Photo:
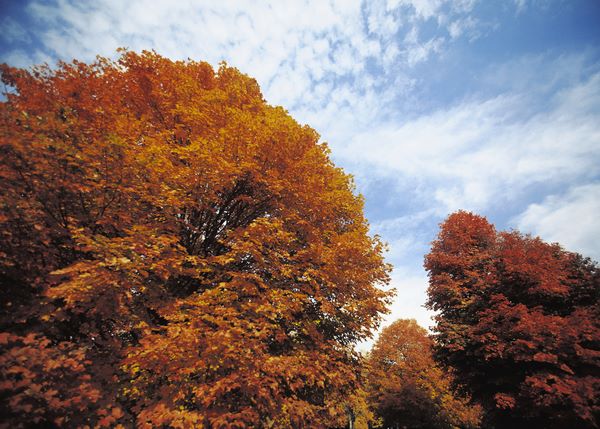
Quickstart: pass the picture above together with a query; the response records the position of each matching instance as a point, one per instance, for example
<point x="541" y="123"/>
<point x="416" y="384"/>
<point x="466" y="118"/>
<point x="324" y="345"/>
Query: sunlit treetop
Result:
<point x="193" y="241"/>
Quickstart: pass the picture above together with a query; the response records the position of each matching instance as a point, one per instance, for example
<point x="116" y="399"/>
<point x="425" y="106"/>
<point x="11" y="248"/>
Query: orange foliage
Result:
<point x="164" y="223"/>
<point x="408" y="388"/>
<point x="519" y="320"/>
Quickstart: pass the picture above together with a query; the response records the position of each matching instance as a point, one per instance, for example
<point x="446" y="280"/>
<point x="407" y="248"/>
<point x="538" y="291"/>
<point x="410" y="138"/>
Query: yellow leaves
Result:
<point x="198" y="238"/>
<point x="163" y="414"/>
<point x="118" y="261"/>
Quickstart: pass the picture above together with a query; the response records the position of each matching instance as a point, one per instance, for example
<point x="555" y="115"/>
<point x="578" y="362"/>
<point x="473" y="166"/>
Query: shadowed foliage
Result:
<point x="408" y="389"/>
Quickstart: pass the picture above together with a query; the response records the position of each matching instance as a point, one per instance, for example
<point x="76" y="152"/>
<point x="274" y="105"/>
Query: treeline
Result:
<point x="516" y="343"/>
<point x="176" y="253"/>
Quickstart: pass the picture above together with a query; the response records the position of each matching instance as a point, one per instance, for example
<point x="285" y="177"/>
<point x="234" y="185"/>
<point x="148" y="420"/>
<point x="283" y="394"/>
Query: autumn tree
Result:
<point x="519" y="321"/>
<point x="356" y="411"/>
<point x="408" y="389"/>
<point x="174" y="253"/>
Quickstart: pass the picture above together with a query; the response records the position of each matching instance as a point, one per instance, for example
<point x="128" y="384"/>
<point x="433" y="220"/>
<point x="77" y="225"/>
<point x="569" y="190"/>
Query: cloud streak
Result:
<point x="479" y="154"/>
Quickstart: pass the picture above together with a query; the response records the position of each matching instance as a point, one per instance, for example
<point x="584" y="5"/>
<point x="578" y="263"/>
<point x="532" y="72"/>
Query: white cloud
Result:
<point x="465" y="26"/>
<point x="420" y="52"/>
<point x="18" y="58"/>
<point x="404" y="19"/>
<point x="485" y="155"/>
<point x="480" y="153"/>
<point x="284" y="45"/>
<point x="411" y="295"/>
<point x="570" y="219"/>
<point x="425" y="9"/>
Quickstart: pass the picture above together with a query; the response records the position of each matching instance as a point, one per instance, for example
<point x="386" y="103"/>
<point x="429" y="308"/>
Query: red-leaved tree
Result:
<point x="519" y="321"/>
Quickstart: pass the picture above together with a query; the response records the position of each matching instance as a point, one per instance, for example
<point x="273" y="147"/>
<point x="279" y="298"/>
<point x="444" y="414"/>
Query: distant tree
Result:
<point x="408" y="389"/>
<point x="174" y="252"/>
<point x="519" y="321"/>
<point x="356" y="411"/>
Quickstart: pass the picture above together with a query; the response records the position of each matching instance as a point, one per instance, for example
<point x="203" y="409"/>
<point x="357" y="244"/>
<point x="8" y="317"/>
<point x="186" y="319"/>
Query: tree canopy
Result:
<point x="519" y="321"/>
<point x="408" y="389"/>
<point x="174" y="253"/>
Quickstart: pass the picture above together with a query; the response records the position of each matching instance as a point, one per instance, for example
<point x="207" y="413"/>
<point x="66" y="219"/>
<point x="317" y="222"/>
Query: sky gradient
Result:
<point x="432" y="105"/>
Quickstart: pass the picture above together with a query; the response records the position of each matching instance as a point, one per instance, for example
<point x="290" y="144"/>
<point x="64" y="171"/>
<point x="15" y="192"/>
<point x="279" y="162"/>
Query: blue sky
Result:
<point x="433" y="105"/>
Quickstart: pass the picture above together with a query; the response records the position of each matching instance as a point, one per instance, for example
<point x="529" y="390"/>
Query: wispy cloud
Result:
<point x="570" y="219"/>
<point x="298" y="51"/>
<point x="484" y="153"/>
